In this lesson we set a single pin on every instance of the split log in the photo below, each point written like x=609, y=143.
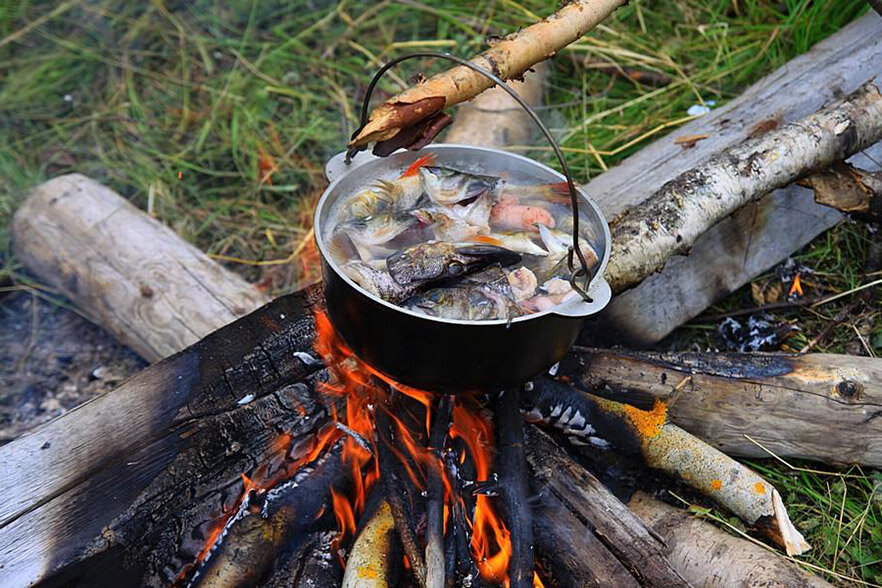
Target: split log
x=761, y=234
x=126, y=271
x=369, y=561
x=613, y=523
x=669, y=222
x=822, y=407
x=130, y=487
x=710, y=558
x=507, y=58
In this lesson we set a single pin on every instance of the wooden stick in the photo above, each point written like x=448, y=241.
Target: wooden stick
x=669, y=222
x=127, y=272
x=670, y=449
x=507, y=58
x=711, y=558
x=512, y=474
x=369, y=561
x=615, y=525
x=775, y=399
x=435, y=566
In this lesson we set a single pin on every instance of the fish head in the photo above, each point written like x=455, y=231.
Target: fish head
x=440, y=260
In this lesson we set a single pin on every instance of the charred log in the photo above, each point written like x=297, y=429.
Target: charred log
x=612, y=523
x=511, y=469
x=435, y=549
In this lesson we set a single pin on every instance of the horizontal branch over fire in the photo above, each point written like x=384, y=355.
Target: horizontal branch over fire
x=508, y=58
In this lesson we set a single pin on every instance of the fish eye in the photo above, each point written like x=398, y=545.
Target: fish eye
x=455, y=268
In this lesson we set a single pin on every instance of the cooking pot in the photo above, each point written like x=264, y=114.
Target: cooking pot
x=453, y=356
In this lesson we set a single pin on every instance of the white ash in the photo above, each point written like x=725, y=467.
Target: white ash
x=245, y=399
x=307, y=359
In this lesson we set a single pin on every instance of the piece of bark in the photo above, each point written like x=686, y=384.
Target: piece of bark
x=507, y=58
x=572, y=553
x=711, y=558
x=777, y=399
x=670, y=221
x=613, y=524
x=668, y=448
x=130, y=485
x=126, y=271
x=494, y=119
x=848, y=189
x=761, y=234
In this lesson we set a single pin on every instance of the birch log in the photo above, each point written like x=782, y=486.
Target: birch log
x=711, y=558
x=820, y=406
x=508, y=58
x=758, y=235
x=126, y=271
x=669, y=222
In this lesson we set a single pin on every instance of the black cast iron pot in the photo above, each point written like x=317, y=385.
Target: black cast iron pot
x=452, y=356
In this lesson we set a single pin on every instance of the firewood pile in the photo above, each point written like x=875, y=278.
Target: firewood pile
x=259, y=450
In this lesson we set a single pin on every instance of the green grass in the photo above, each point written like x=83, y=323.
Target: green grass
x=185, y=106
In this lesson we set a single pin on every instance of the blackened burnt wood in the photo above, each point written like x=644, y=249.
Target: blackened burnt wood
x=151, y=464
x=511, y=468
x=435, y=565
x=613, y=524
x=821, y=406
x=570, y=551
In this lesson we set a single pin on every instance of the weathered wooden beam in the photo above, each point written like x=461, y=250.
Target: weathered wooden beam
x=126, y=271
x=761, y=234
x=819, y=406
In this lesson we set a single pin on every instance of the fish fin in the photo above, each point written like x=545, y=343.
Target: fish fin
x=416, y=165
x=488, y=240
x=386, y=188
x=340, y=246
x=552, y=244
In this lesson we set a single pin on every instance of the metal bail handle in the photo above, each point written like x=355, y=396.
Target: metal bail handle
x=575, y=272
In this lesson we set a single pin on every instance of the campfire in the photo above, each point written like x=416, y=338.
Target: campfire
x=427, y=469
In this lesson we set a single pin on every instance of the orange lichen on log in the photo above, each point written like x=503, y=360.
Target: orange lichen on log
x=647, y=423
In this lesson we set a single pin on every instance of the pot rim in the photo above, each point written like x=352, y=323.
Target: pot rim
x=597, y=287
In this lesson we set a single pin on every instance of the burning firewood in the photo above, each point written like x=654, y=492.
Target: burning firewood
x=369, y=561
x=508, y=58
x=435, y=565
x=512, y=474
x=621, y=530
x=669, y=448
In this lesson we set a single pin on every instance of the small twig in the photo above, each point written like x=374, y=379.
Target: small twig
x=839, y=318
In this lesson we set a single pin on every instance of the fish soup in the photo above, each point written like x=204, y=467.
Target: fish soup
x=455, y=243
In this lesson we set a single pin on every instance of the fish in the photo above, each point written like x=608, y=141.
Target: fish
x=515, y=241
x=369, y=202
x=377, y=282
x=433, y=261
x=553, y=292
x=509, y=215
x=479, y=297
x=367, y=234
x=447, y=186
x=405, y=192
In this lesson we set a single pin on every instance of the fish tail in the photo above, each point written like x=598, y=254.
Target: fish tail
x=416, y=165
